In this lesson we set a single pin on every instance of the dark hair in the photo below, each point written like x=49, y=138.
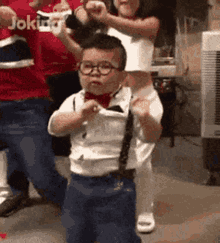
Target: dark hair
x=83, y=31
x=106, y=42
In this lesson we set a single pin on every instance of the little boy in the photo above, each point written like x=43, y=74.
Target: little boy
x=106, y=125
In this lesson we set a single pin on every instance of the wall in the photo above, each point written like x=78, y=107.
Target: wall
x=193, y=19
x=214, y=15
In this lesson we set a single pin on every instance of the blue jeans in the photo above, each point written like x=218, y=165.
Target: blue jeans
x=23, y=127
x=95, y=211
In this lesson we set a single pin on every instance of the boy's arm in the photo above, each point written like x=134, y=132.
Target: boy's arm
x=64, y=122
x=147, y=27
x=148, y=114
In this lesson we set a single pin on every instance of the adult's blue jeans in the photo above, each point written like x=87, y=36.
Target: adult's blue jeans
x=100, y=210
x=23, y=127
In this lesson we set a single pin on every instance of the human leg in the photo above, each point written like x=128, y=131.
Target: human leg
x=16, y=177
x=3, y=169
x=24, y=127
x=35, y=150
x=145, y=197
x=18, y=183
x=211, y=156
x=76, y=211
x=114, y=211
x=4, y=187
x=38, y=164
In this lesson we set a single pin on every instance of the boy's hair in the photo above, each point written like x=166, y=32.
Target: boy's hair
x=106, y=42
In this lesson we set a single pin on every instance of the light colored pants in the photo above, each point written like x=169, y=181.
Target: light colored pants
x=3, y=169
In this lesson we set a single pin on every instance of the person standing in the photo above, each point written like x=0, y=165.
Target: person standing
x=105, y=122
x=58, y=63
x=138, y=79
x=4, y=188
x=24, y=107
x=137, y=29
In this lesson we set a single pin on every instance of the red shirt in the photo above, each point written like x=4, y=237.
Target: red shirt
x=21, y=82
x=56, y=59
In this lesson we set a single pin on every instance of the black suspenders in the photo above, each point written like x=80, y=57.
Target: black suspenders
x=126, y=142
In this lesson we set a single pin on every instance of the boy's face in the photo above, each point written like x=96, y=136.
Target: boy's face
x=95, y=82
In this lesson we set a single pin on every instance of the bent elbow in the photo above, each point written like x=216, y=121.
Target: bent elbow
x=54, y=128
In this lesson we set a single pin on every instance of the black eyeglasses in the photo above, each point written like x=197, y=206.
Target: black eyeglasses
x=104, y=68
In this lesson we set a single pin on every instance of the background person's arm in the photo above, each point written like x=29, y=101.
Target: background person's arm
x=147, y=27
x=19, y=9
x=61, y=33
x=150, y=126
x=6, y=16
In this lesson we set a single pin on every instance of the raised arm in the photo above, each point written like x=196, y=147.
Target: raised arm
x=147, y=27
x=61, y=33
x=39, y=4
x=20, y=10
x=6, y=16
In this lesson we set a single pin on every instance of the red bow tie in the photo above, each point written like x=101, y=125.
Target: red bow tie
x=103, y=100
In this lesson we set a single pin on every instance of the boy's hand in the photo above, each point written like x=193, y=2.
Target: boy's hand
x=89, y=110
x=97, y=10
x=140, y=106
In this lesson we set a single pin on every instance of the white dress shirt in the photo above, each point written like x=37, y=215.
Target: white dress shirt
x=96, y=145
